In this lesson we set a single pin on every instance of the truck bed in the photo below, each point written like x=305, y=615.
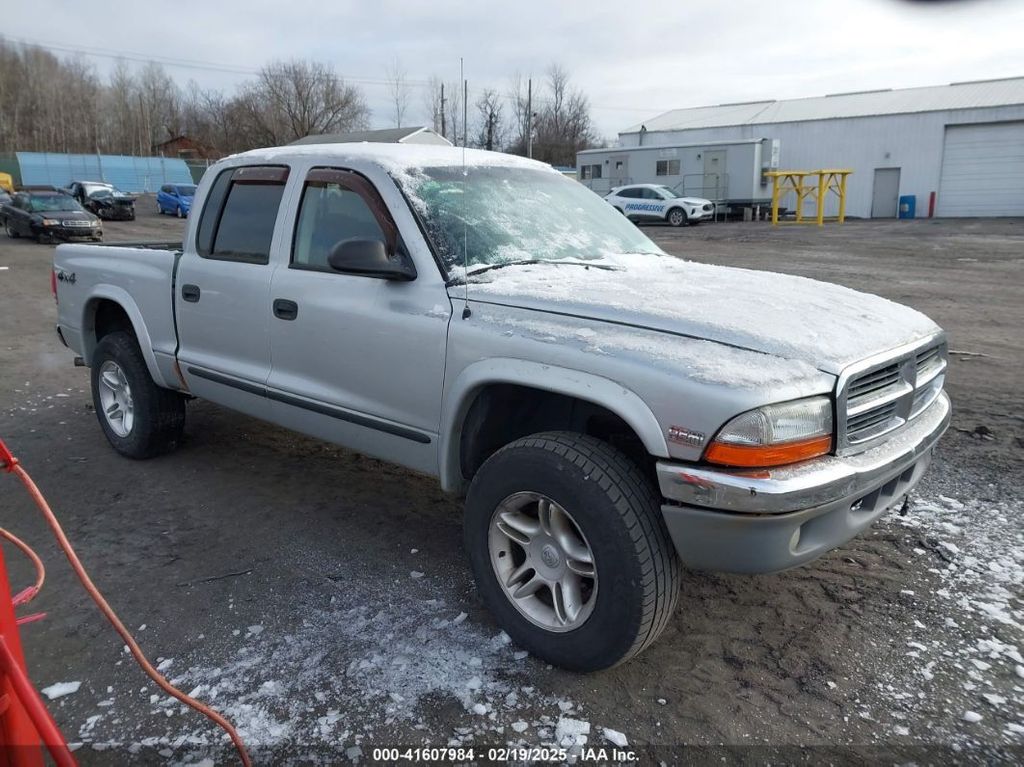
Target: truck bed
x=137, y=276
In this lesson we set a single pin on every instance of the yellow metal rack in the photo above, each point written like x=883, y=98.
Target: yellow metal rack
x=809, y=184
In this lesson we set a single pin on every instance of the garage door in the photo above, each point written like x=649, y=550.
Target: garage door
x=983, y=170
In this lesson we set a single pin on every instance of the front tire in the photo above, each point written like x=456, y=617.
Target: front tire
x=139, y=418
x=677, y=217
x=181, y=213
x=569, y=550
x=11, y=231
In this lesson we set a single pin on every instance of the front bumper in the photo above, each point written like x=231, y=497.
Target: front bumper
x=68, y=232
x=769, y=520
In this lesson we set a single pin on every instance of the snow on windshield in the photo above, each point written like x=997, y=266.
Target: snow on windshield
x=493, y=215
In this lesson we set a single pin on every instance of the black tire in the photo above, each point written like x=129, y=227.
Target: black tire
x=11, y=231
x=617, y=511
x=677, y=217
x=159, y=414
x=180, y=212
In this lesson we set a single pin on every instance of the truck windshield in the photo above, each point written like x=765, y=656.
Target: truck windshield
x=503, y=215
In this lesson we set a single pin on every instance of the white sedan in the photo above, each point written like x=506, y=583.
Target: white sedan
x=652, y=202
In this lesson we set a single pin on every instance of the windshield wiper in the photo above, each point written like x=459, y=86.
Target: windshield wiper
x=529, y=261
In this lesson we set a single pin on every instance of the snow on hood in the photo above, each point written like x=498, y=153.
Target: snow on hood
x=825, y=325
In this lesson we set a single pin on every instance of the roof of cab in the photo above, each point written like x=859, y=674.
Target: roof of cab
x=391, y=156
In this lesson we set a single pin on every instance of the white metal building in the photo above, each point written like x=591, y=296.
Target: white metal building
x=964, y=142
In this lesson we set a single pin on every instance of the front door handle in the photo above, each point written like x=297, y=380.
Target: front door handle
x=190, y=293
x=285, y=309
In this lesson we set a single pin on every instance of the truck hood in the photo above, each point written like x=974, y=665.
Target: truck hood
x=825, y=325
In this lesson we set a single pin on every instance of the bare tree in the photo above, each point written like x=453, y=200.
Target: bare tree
x=491, y=127
x=563, y=122
x=398, y=89
x=520, y=108
x=293, y=99
x=433, y=104
x=453, y=112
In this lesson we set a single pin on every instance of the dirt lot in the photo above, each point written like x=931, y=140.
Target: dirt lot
x=322, y=601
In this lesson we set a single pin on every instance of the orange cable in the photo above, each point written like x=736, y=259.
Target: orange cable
x=119, y=627
x=27, y=595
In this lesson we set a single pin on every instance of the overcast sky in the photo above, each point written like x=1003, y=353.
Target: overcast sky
x=634, y=60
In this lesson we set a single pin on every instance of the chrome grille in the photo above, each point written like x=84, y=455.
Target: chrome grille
x=879, y=397
x=74, y=223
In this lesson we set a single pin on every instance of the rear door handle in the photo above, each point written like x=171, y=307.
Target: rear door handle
x=285, y=309
x=190, y=293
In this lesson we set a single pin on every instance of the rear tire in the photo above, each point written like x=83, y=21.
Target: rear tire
x=139, y=418
x=11, y=232
x=614, y=516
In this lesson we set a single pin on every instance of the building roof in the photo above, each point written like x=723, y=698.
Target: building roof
x=386, y=136
x=934, y=98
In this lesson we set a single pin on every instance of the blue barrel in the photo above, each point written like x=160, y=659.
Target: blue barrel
x=908, y=204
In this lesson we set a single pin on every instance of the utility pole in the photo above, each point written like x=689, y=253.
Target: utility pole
x=443, y=128
x=465, y=125
x=529, y=118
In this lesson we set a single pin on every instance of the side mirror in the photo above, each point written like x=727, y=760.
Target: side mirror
x=370, y=258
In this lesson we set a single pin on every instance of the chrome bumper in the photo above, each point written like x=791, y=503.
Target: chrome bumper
x=756, y=522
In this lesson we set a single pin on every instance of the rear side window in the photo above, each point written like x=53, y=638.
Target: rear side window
x=237, y=223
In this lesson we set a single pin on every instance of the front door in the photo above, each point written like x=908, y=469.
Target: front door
x=356, y=360
x=618, y=169
x=886, y=195
x=715, y=179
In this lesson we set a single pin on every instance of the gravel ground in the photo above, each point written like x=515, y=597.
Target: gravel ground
x=321, y=599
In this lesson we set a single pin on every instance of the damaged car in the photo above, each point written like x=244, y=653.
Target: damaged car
x=104, y=200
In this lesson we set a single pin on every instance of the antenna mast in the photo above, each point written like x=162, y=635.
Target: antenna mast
x=465, y=226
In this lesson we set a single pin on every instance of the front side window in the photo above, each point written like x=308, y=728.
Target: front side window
x=333, y=209
x=237, y=223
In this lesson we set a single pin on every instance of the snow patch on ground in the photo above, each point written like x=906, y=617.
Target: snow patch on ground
x=404, y=670
x=61, y=689
x=970, y=540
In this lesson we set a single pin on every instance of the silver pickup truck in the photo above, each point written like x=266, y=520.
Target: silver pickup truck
x=610, y=413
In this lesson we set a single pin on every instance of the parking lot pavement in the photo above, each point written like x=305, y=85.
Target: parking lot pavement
x=321, y=599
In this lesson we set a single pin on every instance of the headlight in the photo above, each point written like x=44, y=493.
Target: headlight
x=50, y=222
x=94, y=222
x=775, y=434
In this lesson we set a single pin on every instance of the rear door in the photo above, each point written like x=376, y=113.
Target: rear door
x=222, y=290
x=357, y=360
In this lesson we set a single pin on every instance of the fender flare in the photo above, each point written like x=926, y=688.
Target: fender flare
x=122, y=298
x=461, y=394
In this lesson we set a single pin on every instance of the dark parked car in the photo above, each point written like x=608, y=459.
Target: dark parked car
x=175, y=198
x=105, y=200
x=49, y=216
x=4, y=198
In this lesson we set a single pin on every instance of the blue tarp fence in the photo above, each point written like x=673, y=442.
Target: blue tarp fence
x=129, y=174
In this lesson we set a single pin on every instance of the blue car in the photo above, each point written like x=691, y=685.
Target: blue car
x=175, y=198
